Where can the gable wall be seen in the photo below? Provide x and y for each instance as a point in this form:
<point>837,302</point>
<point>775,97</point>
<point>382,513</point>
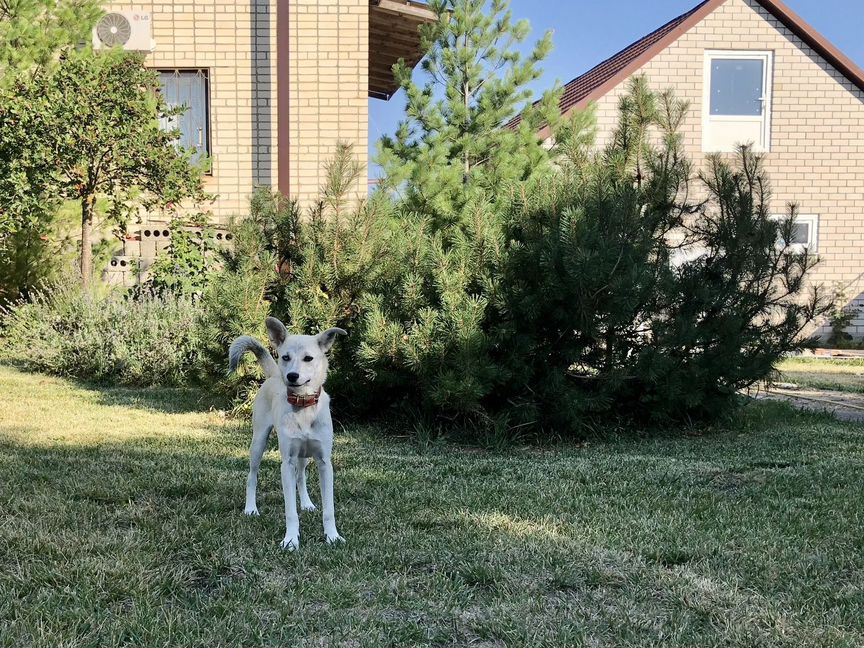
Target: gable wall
<point>817,139</point>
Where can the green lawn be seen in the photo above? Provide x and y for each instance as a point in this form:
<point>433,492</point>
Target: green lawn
<point>838,375</point>
<point>121,524</point>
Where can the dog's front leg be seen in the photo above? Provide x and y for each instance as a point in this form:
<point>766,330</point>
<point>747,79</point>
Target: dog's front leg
<point>289,492</point>
<point>325,475</point>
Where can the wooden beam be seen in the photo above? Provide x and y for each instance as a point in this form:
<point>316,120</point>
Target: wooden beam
<point>393,35</point>
<point>384,78</point>
<point>381,51</point>
<point>394,22</point>
<point>388,86</point>
<point>410,32</point>
<point>394,39</point>
<point>420,13</point>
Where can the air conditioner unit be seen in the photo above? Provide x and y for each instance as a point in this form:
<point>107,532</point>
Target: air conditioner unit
<point>130,30</point>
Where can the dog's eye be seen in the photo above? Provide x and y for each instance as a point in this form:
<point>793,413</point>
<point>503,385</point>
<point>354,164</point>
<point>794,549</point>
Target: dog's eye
<point>308,359</point>
<point>286,358</point>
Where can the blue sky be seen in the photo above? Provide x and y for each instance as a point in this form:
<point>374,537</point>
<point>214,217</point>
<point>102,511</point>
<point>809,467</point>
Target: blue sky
<point>587,31</point>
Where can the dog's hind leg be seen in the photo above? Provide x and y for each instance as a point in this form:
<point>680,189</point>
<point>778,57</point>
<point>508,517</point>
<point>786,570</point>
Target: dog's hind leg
<point>305,501</point>
<point>260,432</point>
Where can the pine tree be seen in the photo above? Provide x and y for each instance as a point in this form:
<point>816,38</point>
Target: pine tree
<point>452,148</point>
<point>599,314</point>
<point>33,32</point>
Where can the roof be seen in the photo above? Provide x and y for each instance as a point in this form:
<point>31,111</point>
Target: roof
<point>602,78</point>
<point>394,35</point>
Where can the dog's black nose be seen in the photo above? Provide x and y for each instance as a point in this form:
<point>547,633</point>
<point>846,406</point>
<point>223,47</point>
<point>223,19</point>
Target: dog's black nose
<point>292,377</point>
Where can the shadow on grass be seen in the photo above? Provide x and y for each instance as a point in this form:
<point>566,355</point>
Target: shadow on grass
<point>170,400</point>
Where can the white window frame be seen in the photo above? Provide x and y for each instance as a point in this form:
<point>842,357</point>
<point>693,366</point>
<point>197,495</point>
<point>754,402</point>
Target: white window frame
<point>812,244</point>
<point>708,119</point>
<point>686,255</point>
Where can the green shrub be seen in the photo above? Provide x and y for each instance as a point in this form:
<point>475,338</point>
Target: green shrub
<point>426,338</point>
<point>27,259</point>
<point>65,330</point>
<point>235,302</point>
<point>184,268</point>
<point>313,272</point>
<point>44,251</point>
<point>571,296</point>
<point>595,291</point>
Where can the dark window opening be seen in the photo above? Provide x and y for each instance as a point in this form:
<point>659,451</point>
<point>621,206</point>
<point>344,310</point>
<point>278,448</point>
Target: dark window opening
<point>190,89</point>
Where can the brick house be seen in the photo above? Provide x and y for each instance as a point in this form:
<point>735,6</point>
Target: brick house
<point>271,86</point>
<point>754,71</point>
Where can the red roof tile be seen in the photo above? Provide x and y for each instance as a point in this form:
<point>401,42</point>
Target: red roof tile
<point>581,86</point>
<point>584,85</point>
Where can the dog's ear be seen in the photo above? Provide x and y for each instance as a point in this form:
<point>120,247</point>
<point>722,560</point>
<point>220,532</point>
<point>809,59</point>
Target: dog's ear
<point>276,330</point>
<point>326,339</point>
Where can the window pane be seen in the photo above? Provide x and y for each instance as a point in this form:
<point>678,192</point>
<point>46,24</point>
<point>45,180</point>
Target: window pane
<point>736,86</point>
<point>188,88</point>
<point>800,234</point>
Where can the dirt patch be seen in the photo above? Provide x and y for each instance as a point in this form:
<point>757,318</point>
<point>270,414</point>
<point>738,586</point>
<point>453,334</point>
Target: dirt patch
<point>846,406</point>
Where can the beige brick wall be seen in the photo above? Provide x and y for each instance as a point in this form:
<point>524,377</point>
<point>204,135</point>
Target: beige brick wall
<point>329,88</point>
<point>236,43</point>
<point>816,156</point>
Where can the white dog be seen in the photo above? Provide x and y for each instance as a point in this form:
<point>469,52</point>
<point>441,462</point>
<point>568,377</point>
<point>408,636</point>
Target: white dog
<point>292,401</point>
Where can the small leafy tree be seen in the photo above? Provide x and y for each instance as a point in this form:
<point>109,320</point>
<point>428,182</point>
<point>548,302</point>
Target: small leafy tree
<point>185,266</point>
<point>452,147</point>
<point>840,317</point>
<point>87,128</point>
<point>33,36</point>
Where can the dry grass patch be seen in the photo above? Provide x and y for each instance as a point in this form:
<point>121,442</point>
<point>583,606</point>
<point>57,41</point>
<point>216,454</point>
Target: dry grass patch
<point>837,375</point>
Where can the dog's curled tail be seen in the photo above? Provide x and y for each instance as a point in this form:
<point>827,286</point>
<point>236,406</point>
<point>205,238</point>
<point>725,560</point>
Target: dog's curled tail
<point>246,343</point>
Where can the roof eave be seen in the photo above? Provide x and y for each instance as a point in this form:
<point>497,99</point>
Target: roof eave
<point>639,62</point>
<point>822,46</point>
<point>393,36</point>
<point>777,8</point>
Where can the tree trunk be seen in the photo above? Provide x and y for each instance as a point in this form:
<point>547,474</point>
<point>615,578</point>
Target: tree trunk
<point>87,203</point>
<point>466,169</point>
<point>465,89</point>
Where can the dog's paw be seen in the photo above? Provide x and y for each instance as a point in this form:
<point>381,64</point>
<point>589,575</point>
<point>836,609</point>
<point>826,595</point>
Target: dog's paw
<point>307,506</point>
<point>334,539</point>
<point>251,510</point>
<point>291,543</point>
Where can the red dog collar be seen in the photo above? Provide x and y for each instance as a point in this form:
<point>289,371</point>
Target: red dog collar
<point>304,401</point>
